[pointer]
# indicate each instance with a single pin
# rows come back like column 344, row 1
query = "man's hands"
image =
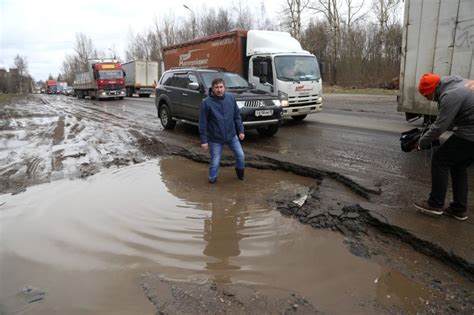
column 205, row 146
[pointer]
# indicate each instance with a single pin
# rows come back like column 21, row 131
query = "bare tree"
column 84, row 49
column 21, row 64
column 293, row 15
column 385, row 12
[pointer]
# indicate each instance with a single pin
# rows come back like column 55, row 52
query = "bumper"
column 302, row 110
column 250, row 120
column 110, row 93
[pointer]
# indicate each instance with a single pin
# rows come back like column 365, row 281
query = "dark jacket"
column 219, row 119
column 455, row 97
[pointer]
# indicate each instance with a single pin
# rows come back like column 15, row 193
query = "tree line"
column 18, row 79
column 359, row 47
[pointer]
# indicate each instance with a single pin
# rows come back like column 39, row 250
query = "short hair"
column 217, row 81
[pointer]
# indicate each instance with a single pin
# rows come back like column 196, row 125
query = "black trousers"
column 454, row 156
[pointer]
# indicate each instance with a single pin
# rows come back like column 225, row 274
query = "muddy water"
column 86, row 244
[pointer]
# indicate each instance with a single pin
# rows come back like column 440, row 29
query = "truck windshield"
column 297, row 68
column 110, row 74
column 232, row 80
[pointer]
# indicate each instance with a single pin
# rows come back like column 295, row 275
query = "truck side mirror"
column 263, row 69
column 124, row 73
column 321, row 68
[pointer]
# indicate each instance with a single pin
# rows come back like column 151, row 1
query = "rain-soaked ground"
column 127, row 226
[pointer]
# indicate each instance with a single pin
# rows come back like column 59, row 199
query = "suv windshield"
column 297, row 68
column 232, row 80
column 110, row 74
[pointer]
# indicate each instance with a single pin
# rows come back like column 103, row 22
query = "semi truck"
column 51, row 87
column 438, row 37
column 272, row 61
column 141, row 77
column 103, row 79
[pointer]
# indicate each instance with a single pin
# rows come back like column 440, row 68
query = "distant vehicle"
column 51, row 87
column 43, row 90
column 103, row 79
column 435, row 39
column 180, row 92
column 263, row 58
column 141, row 77
column 68, row 91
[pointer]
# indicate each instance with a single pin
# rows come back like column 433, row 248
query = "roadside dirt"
column 54, row 138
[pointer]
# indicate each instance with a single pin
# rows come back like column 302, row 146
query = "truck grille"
column 258, row 103
column 112, row 87
column 303, row 100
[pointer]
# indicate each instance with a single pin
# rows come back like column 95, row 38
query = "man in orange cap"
column 455, row 97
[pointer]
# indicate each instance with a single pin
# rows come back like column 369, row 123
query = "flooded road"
column 86, row 247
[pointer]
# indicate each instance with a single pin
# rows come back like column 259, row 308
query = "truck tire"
column 165, row 117
column 299, row 117
column 268, row 131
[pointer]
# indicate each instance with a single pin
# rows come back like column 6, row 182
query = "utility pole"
column 193, row 21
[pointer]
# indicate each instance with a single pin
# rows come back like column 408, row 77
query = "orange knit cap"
column 428, row 83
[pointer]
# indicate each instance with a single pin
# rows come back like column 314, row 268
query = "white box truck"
column 272, row 61
column 438, row 37
column 140, row 77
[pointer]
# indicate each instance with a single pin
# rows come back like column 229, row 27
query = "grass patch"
column 4, row 98
column 369, row 91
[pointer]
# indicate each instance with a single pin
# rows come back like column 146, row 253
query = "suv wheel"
column 299, row 117
column 165, row 117
column 268, row 131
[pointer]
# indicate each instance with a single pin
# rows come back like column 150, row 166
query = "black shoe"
column 425, row 207
column 212, row 181
column 461, row 216
column 240, row 173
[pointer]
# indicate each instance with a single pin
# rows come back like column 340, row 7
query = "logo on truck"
column 302, row 88
column 185, row 62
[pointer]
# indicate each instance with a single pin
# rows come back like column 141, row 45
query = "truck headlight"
column 283, row 99
column 240, row 104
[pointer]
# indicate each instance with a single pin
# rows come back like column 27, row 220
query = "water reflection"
column 222, row 232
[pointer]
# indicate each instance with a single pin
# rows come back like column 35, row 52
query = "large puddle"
column 86, row 244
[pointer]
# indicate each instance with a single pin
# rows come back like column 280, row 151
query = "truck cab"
column 280, row 66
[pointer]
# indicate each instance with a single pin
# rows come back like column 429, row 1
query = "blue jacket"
column 219, row 119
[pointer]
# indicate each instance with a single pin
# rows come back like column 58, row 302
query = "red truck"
column 51, row 87
column 104, row 79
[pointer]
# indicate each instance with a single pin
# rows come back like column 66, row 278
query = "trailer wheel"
column 299, row 117
column 165, row 117
column 268, row 131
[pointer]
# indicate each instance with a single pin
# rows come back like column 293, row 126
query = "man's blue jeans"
column 216, row 152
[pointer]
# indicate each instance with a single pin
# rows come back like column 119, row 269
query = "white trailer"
column 438, row 37
column 140, row 77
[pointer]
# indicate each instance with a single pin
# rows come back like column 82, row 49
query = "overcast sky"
column 44, row 31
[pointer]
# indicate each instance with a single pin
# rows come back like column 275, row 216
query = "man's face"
column 218, row 89
column 429, row 97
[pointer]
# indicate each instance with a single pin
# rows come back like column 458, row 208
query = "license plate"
column 304, row 110
column 265, row 112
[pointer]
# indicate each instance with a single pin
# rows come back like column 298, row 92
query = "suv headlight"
column 276, row 103
column 283, row 99
column 240, row 104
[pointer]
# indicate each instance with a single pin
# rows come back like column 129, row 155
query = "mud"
column 50, row 139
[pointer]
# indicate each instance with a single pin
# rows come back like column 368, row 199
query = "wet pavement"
column 85, row 231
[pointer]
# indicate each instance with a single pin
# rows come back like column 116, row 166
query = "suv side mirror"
column 263, row 79
column 253, row 85
column 193, row 86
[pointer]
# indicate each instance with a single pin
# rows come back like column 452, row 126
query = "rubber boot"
column 240, row 173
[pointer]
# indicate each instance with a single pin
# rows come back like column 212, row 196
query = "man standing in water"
column 219, row 123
